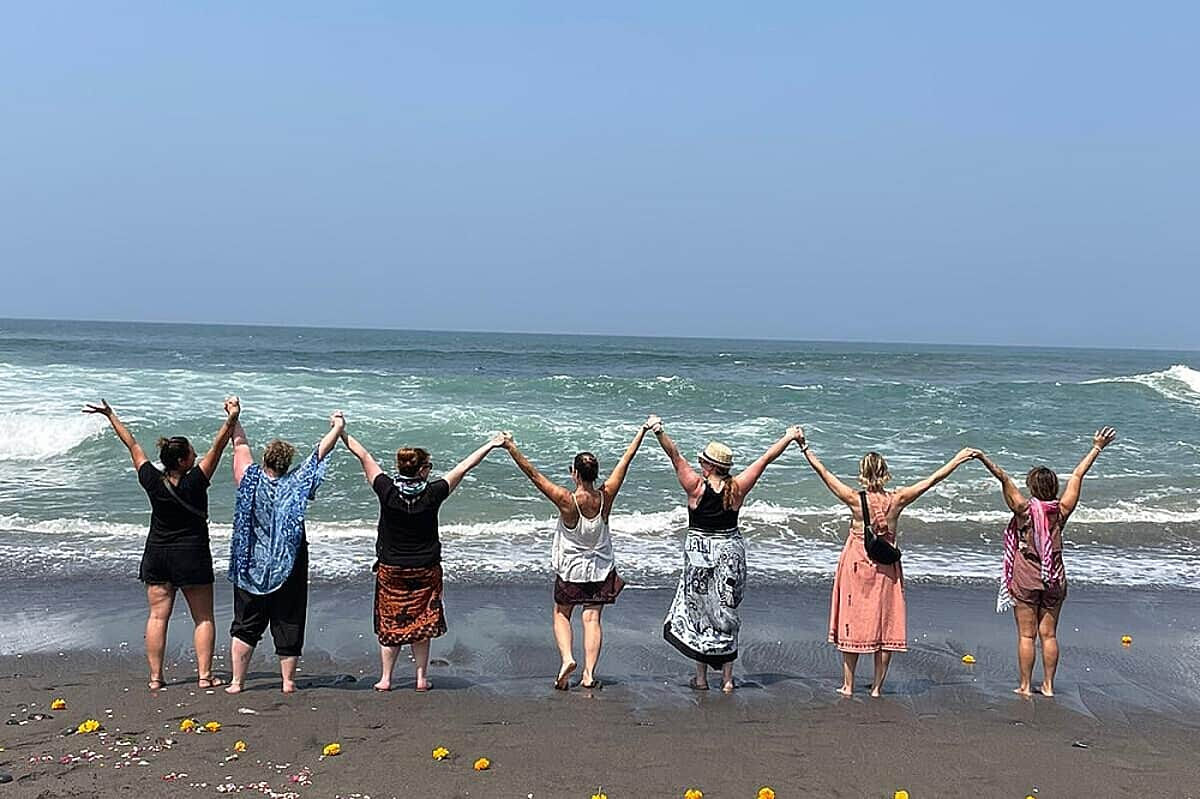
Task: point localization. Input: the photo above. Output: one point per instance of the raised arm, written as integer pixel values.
(242, 456)
(337, 425)
(910, 494)
(616, 477)
(1070, 498)
(839, 489)
(1012, 494)
(212, 458)
(560, 496)
(135, 449)
(370, 467)
(749, 476)
(455, 475)
(683, 470)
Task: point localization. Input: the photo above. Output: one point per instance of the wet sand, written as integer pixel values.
(943, 728)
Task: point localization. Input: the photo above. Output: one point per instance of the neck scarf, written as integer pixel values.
(411, 486)
(1042, 544)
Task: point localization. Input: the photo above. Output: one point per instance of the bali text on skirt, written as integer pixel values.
(703, 621)
(408, 604)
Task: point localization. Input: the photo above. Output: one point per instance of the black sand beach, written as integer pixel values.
(1124, 722)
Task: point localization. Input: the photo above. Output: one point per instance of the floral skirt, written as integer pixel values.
(408, 604)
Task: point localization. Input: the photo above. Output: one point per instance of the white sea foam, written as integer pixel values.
(784, 544)
(1179, 383)
(28, 437)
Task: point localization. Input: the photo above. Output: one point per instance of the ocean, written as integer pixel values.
(70, 504)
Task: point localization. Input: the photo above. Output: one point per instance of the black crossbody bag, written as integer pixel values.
(878, 549)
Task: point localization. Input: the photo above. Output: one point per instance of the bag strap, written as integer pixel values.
(185, 505)
(866, 513)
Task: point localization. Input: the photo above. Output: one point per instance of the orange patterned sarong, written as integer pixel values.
(408, 604)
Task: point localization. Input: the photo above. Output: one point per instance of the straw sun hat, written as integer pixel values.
(717, 454)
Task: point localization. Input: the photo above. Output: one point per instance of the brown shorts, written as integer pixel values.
(1040, 598)
(601, 592)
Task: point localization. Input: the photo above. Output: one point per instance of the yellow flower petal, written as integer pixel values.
(332, 750)
(58, 704)
(766, 793)
(441, 753)
(88, 726)
(968, 659)
(239, 746)
(483, 764)
(901, 795)
(599, 796)
(187, 725)
(692, 793)
(1126, 640)
(213, 726)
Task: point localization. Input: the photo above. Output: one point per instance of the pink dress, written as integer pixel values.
(867, 613)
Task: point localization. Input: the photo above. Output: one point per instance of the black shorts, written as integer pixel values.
(180, 565)
(285, 609)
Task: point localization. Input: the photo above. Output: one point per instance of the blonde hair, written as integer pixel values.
(873, 471)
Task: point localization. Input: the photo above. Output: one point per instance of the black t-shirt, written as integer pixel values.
(408, 526)
(170, 522)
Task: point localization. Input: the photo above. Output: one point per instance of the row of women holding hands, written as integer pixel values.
(268, 562)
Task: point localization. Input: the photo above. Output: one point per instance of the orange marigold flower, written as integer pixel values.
(187, 725)
(692, 793)
(441, 753)
(58, 704)
(968, 659)
(331, 750)
(765, 793)
(483, 764)
(901, 794)
(239, 746)
(213, 726)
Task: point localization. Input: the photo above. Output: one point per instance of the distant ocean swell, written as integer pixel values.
(69, 503)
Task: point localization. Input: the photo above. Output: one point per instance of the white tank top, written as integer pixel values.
(583, 554)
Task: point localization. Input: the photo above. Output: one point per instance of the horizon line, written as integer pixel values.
(477, 331)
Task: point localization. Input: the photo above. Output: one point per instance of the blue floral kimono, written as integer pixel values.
(268, 524)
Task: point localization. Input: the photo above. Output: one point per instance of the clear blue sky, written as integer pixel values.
(1015, 173)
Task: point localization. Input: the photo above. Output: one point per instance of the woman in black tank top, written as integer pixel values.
(703, 622)
(177, 552)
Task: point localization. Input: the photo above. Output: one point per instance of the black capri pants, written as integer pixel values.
(285, 609)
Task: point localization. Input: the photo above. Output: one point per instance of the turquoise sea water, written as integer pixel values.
(70, 504)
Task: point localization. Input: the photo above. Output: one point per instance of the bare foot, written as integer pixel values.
(728, 687)
(1022, 692)
(846, 690)
(697, 686)
(1046, 690)
(210, 682)
(423, 686)
(156, 685)
(233, 688)
(876, 692)
(383, 684)
(564, 676)
(288, 688)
